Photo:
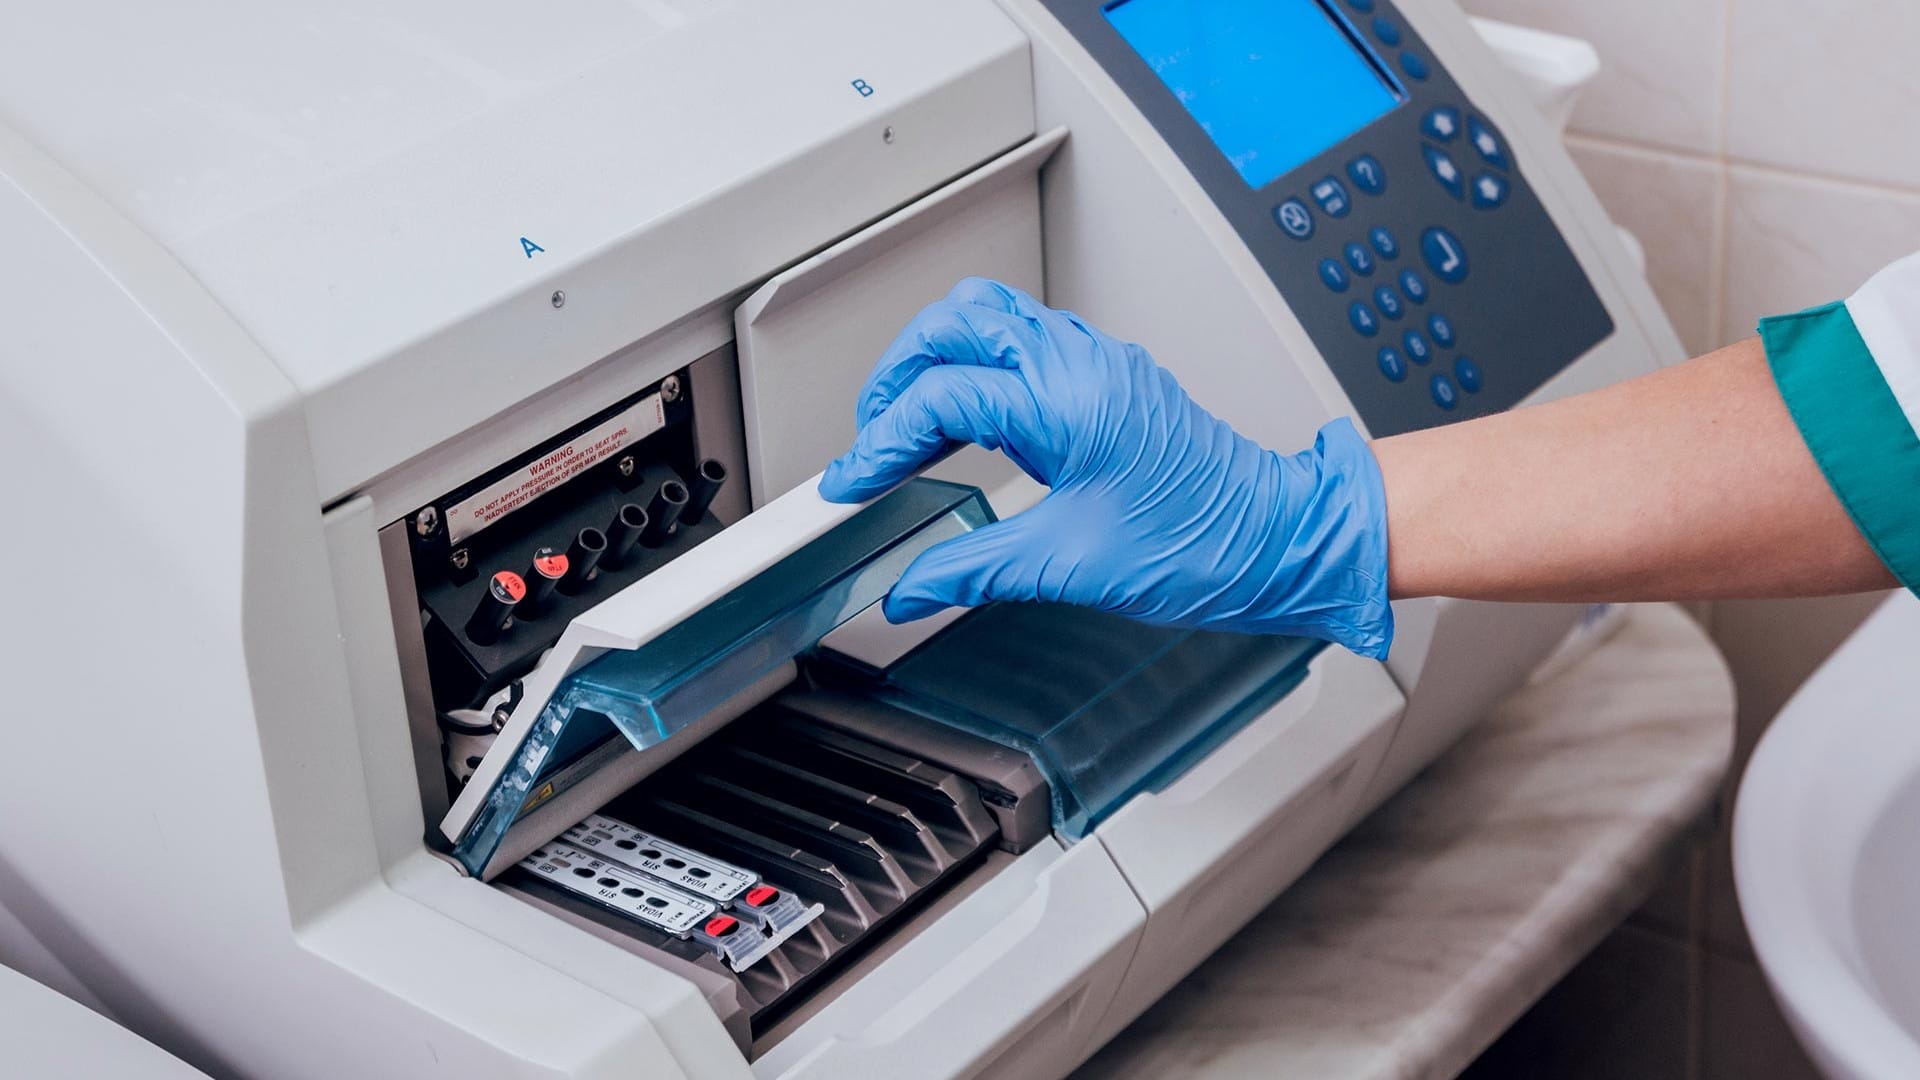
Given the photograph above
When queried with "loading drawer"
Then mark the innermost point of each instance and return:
(1009, 982)
(1207, 852)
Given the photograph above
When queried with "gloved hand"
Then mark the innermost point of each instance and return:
(1159, 510)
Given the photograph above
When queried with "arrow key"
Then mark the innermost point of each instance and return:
(1487, 143)
(1445, 171)
(1442, 123)
(1489, 191)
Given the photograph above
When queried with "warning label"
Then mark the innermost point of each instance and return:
(553, 468)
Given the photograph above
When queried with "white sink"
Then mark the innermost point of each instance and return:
(1826, 852)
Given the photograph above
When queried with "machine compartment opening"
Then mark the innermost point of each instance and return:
(862, 833)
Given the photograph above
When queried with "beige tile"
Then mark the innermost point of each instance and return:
(1672, 205)
(1744, 1037)
(1723, 929)
(1660, 79)
(1622, 1012)
(1674, 908)
(1795, 241)
(1827, 86)
(1771, 646)
(1702, 612)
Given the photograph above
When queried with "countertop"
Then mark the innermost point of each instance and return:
(1412, 944)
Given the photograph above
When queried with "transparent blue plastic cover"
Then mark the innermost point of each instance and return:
(1107, 707)
(650, 693)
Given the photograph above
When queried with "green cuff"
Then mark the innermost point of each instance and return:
(1854, 426)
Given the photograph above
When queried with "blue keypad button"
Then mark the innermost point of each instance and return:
(1441, 328)
(1333, 274)
(1360, 259)
(1331, 194)
(1441, 165)
(1489, 191)
(1388, 33)
(1442, 123)
(1444, 395)
(1486, 142)
(1417, 348)
(1388, 302)
(1415, 67)
(1468, 374)
(1367, 175)
(1294, 217)
(1365, 322)
(1445, 255)
(1413, 286)
(1391, 365)
(1384, 242)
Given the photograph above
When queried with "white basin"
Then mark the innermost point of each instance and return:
(1826, 852)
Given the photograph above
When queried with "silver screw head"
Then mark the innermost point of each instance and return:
(559, 299)
(459, 558)
(887, 135)
(426, 521)
(626, 465)
(670, 388)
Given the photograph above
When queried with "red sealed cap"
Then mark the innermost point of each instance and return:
(507, 587)
(761, 895)
(720, 925)
(549, 563)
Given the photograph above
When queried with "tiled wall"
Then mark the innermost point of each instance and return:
(1765, 153)
(1762, 150)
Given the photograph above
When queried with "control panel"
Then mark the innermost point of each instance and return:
(1387, 208)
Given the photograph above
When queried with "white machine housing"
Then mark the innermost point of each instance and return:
(274, 280)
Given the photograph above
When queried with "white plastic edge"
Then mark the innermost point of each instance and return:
(644, 610)
(1553, 68)
(820, 270)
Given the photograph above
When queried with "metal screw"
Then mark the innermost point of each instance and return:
(887, 135)
(426, 521)
(670, 388)
(500, 717)
(626, 465)
(459, 558)
(559, 299)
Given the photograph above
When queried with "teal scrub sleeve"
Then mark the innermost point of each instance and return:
(1853, 425)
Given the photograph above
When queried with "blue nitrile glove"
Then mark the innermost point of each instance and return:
(1159, 510)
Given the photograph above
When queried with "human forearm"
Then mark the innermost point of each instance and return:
(1689, 483)
(1692, 482)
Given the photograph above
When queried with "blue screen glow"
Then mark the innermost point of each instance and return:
(1272, 82)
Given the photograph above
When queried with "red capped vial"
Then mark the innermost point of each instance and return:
(505, 590)
(549, 566)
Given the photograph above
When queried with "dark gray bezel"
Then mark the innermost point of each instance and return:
(1525, 311)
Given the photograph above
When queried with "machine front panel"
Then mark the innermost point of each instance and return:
(1387, 208)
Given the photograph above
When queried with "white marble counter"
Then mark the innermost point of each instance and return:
(1418, 939)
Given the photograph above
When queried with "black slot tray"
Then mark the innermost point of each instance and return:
(869, 832)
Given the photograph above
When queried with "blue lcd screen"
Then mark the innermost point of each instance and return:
(1271, 82)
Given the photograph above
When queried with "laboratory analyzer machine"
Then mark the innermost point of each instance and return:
(465, 677)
